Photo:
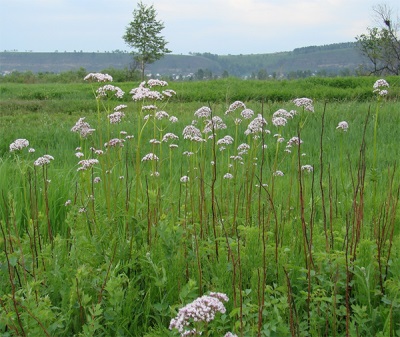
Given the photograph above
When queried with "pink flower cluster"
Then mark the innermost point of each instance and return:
(98, 77)
(380, 87)
(202, 309)
(304, 102)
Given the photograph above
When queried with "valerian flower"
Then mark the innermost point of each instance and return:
(161, 115)
(228, 176)
(83, 128)
(190, 132)
(203, 112)
(306, 103)
(184, 179)
(216, 123)
(116, 117)
(247, 113)
(307, 168)
(98, 77)
(279, 121)
(103, 91)
(380, 87)
(343, 126)
(169, 136)
(234, 106)
(226, 140)
(115, 142)
(256, 125)
(87, 164)
(278, 174)
(202, 309)
(19, 144)
(45, 160)
(149, 157)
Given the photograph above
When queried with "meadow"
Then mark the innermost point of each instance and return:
(221, 208)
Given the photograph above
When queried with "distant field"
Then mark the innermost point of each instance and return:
(112, 223)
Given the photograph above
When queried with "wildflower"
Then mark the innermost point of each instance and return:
(168, 136)
(87, 164)
(96, 180)
(169, 92)
(31, 150)
(79, 154)
(216, 123)
(188, 153)
(279, 121)
(161, 114)
(83, 128)
(380, 87)
(190, 131)
(155, 174)
(99, 77)
(307, 168)
(149, 107)
(238, 121)
(184, 179)
(141, 93)
(155, 82)
(67, 203)
(203, 112)
(115, 142)
(173, 119)
(44, 160)
(294, 141)
(150, 156)
(173, 146)
(120, 107)
(230, 334)
(121, 177)
(283, 113)
(202, 309)
(278, 174)
(226, 140)
(116, 117)
(343, 125)
(82, 210)
(103, 91)
(256, 125)
(304, 102)
(243, 147)
(234, 106)
(19, 144)
(228, 176)
(247, 113)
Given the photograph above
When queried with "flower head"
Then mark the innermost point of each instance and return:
(380, 87)
(306, 103)
(98, 77)
(19, 144)
(83, 128)
(343, 126)
(45, 160)
(150, 156)
(184, 179)
(203, 112)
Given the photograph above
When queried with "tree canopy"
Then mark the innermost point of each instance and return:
(143, 34)
(381, 45)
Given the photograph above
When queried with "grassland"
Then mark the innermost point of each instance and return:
(108, 240)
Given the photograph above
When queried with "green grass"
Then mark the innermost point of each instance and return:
(303, 254)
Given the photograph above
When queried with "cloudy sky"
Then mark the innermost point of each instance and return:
(216, 26)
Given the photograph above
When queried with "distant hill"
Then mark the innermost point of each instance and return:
(333, 58)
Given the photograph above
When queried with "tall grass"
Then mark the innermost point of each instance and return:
(302, 236)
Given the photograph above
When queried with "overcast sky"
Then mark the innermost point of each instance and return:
(216, 26)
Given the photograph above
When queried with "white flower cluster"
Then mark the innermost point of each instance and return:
(191, 132)
(256, 125)
(154, 82)
(98, 77)
(216, 123)
(115, 142)
(45, 160)
(150, 156)
(306, 103)
(161, 115)
(184, 179)
(19, 144)
(103, 91)
(308, 168)
(202, 309)
(203, 112)
(116, 117)
(380, 87)
(343, 126)
(142, 92)
(234, 106)
(169, 136)
(247, 113)
(226, 140)
(83, 128)
(87, 164)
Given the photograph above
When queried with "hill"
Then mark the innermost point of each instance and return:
(334, 58)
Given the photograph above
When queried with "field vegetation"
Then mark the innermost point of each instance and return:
(224, 207)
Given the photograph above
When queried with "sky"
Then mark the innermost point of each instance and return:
(191, 26)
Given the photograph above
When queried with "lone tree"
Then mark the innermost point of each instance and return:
(143, 35)
(381, 45)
